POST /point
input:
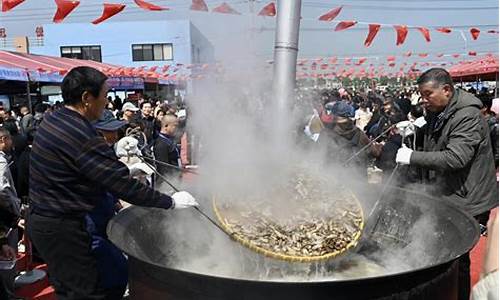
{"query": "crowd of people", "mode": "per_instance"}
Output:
(438, 136)
(72, 164)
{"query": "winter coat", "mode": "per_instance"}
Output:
(457, 155)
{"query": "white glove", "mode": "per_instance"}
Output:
(140, 168)
(420, 122)
(127, 146)
(404, 155)
(183, 199)
(405, 128)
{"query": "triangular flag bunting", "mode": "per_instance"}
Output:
(10, 4)
(109, 11)
(475, 33)
(64, 8)
(331, 14)
(224, 8)
(199, 5)
(361, 61)
(268, 10)
(344, 25)
(149, 6)
(425, 32)
(401, 33)
(373, 29)
(443, 29)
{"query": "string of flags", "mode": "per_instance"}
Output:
(66, 7)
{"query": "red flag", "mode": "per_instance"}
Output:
(361, 60)
(443, 29)
(402, 32)
(391, 58)
(10, 4)
(199, 5)
(268, 10)
(456, 55)
(109, 11)
(324, 66)
(148, 6)
(224, 8)
(344, 25)
(425, 32)
(64, 8)
(332, 14)
(422, 54)
(472, 53)
(440, 55)
(407, 54)
(475, 33)
(372, 32)
(392, 64)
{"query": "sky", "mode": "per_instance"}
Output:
(232, 35)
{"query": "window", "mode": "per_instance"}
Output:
(82, 52)
(152, 52)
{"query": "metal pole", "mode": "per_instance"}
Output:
(28, 91)
(285, 59)
(496, 85)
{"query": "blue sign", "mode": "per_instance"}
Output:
(13, 74)
(45, 77)
(126, 83)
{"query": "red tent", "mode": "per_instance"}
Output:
(52, 69)
(485, 68)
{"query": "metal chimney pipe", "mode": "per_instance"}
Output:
(285, 54)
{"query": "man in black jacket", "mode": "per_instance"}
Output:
(71, 170)
(457, 156)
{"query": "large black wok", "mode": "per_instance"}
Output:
(409, 252)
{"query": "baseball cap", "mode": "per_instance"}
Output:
(342, 109)
(129, 106)
(108, 122)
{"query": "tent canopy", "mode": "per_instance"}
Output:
(18, 66)
(485, 68)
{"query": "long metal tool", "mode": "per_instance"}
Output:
(170, 165)
(177, 190)
(368, 145)
(386, 185)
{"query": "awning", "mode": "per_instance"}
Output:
(485, 68)
(44, 68)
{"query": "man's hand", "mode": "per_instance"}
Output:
(127, 146)
(8, 253)
(403, 156)
(183, 200)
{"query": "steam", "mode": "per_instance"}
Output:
(240, 154)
